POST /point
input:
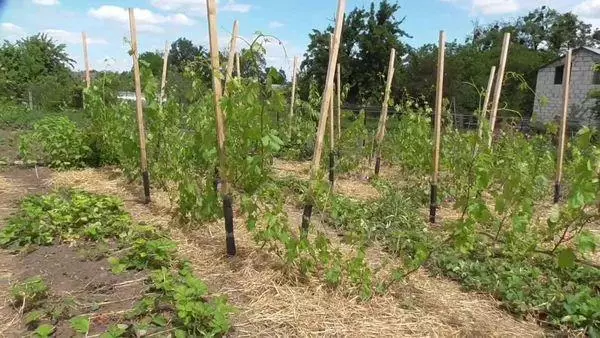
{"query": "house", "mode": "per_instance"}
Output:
(584, 80)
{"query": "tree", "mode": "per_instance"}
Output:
(38, 64)
(183, 51)
(364, 52)
(253, 63)
(154, 61)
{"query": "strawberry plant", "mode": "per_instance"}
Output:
(57, 142)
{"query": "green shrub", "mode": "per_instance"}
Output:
(57, 142)
(65, 215)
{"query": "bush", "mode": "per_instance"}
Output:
(57, 142)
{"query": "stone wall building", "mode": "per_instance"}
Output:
(550, 89)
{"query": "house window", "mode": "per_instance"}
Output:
(558, 74)
(596, 78)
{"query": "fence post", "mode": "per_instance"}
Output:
(139, 108)
(231, 56)
(563, 126)
(486, 101)
(384, 111)
(211, 9)
(438, 127)
(498, 89)
(327, 93)
(163, 82)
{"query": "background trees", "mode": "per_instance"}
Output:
(537, 38)
(40, 65)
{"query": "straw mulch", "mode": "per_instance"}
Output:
(270, 304)
(347, 185)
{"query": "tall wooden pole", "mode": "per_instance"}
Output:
(237, 64)
(331, 142)
(211, 9)
(139, 108)
(331, 129)
(384, 110)
(327, 93)
(439, 96)
(293, 96)
(163, 82)
(563, 126)
(86, 59)
(339, 100)
(231, 56)
(499, 82)
(486, 100)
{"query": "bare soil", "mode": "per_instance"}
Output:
(78, 277)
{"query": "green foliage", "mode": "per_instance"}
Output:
(146, 253)
(66, 215)
(369, 34)
(44, 331)
(178, 301)
(196, 316)
(80, 324)
(37, 64)
(56, 141)
(29, 293)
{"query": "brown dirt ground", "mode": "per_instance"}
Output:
(9, 145)
(270, 304)
(78, 283)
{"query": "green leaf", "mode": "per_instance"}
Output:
(80, 324)
(44, 330)
(566, 258)
(586, 242)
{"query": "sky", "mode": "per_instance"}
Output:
(159, 21)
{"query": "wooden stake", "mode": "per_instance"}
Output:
(293, 99)
(498, 89)
(486, 101)
(231, 56)
(211, 9)
(163, 82)
(439, 96)
(384, 110)
(30, 100)
(139, 108)
(339, 101)
(327, 93)
(237, 64)
(88, 80)
(563, 126)
(331, 142)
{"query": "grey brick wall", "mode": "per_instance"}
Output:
(549, 97)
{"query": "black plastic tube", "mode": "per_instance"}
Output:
(146, 183)
(377, 165)
(556, 192)
(228, 213)
(432, 203)
(306, 215)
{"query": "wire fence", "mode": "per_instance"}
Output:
(470, 121)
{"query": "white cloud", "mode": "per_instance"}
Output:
(72, 37)
(11, 28)
(588, 9)
(502, 7)
(275, 24)
(233, 6)
(46, 2)
(146, 20)
(188, 6)
(493, 7)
